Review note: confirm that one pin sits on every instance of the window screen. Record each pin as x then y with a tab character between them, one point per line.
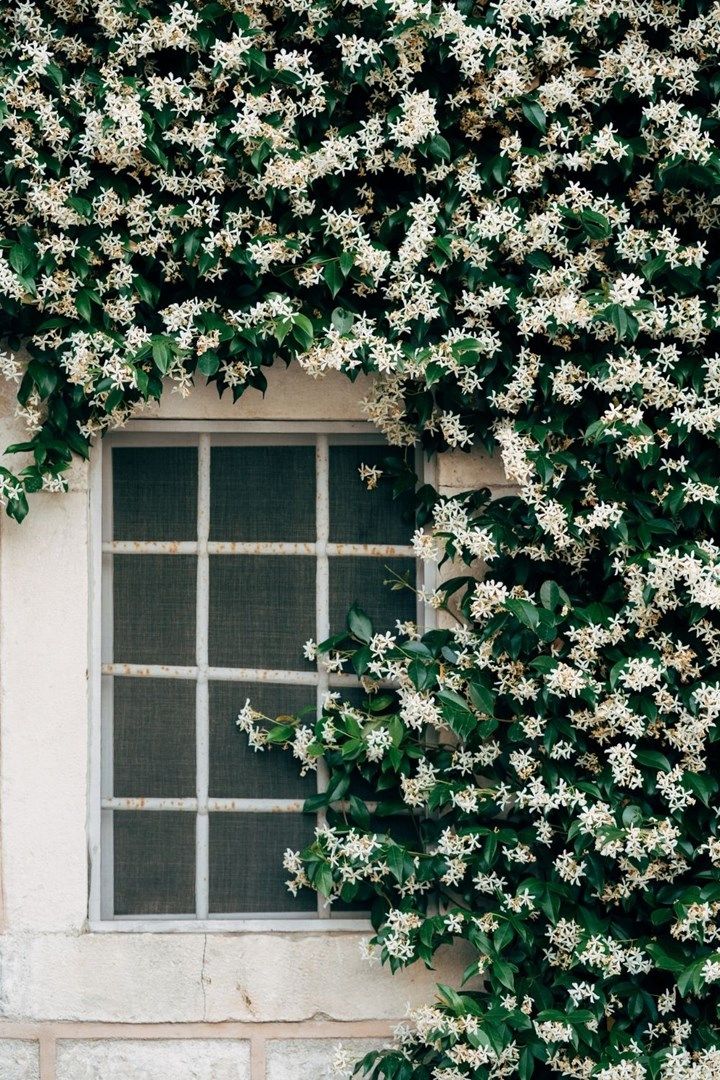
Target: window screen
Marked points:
221	556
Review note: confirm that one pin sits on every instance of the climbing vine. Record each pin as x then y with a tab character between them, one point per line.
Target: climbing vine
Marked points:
507	213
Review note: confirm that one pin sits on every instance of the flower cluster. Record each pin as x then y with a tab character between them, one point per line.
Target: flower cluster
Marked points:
546	789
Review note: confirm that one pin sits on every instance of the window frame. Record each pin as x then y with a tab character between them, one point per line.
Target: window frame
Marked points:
198	432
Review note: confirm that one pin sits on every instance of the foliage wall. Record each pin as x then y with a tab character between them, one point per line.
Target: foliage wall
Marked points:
509	212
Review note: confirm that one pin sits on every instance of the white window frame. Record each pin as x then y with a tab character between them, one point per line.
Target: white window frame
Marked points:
101	550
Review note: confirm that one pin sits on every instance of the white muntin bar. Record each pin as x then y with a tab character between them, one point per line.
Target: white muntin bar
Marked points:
372	551
141	803
262	675
150	547
150	671
96	841
107	692
202	718
218	674
322	603
260	547
214	806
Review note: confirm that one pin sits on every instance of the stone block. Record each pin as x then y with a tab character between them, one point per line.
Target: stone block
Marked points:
19	1059
293	1059
153	1059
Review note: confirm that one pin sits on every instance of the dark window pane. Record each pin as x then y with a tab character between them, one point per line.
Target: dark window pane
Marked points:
359	516
236	770
155	493
360	906
405	829
246	853
360	580
262	610
354	696
262	493
154	614
154	737
154	862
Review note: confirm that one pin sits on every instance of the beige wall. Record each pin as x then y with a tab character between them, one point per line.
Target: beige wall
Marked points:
185	1006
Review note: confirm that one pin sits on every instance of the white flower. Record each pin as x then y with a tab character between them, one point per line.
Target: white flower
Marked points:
310	650
626	289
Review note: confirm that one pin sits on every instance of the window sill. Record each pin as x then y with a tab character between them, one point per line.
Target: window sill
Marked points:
230	926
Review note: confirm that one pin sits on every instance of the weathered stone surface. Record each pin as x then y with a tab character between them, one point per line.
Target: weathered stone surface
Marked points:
153	1059
292	394
128	978
297	977
293	1059
19	1059
44	663
460	471
151	978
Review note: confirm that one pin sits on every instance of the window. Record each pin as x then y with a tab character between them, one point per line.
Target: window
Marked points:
222	551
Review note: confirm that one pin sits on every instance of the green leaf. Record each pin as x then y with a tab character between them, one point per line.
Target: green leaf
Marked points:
470	972
84	303
504	973
347	261
162	354
82	206
20	448
552	596
208	363
17	507
452	999
44	376
595	225
525	611
342	320
333	277
652	267
359	812
280	733
315	802
338	786
526	1064
440	148
77	443
663	959
321	879
303	331
359	624
703	785
361	660
400	864
534	112
421	674
19	258
456	712
482	698
381	703
113	400
653	760
619	319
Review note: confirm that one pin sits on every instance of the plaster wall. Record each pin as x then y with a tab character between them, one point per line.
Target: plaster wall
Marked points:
76	1004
